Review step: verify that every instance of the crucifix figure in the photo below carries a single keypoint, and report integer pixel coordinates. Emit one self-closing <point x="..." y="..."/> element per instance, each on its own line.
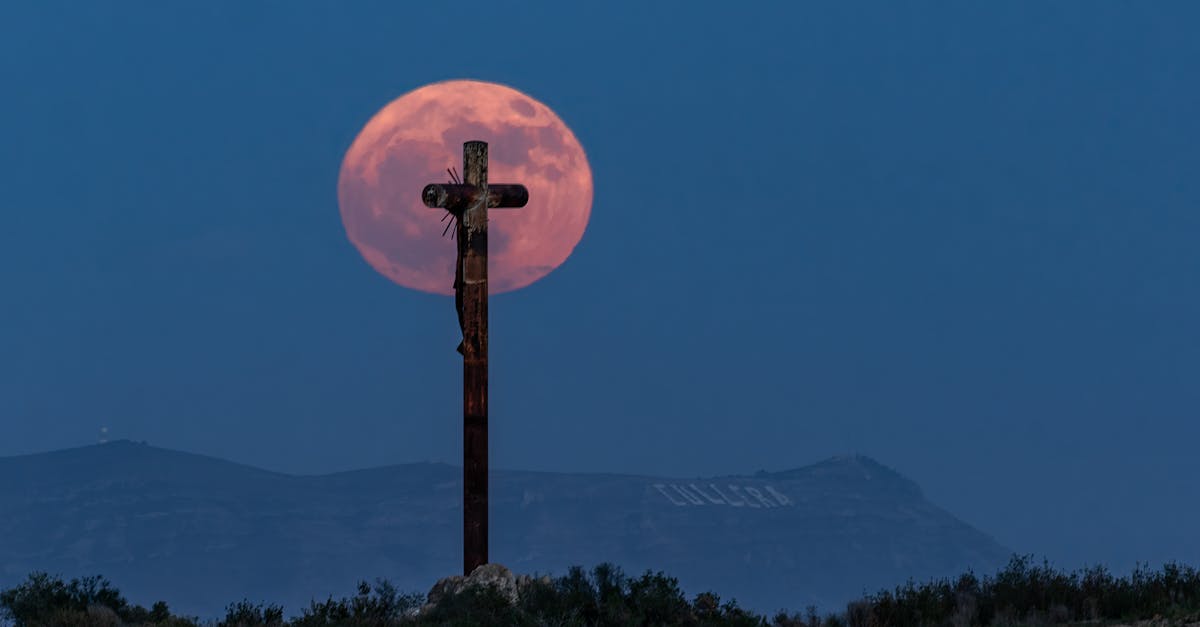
<point x="469" y="202"/>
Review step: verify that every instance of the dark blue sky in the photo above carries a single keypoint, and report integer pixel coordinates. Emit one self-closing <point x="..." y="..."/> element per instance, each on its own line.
<point x="960" y="238"/>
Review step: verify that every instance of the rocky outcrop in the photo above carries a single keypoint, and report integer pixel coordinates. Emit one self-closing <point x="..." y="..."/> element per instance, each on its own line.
<point x="494" y="576"/>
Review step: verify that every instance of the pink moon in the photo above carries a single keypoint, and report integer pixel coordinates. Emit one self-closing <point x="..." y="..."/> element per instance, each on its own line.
<point x="411" y="142"/>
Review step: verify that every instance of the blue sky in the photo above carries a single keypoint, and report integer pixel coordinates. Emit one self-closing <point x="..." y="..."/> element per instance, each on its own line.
<point x="957" y="237"/>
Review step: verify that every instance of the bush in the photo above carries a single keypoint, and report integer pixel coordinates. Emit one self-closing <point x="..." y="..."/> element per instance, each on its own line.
<point x="378" y="606"/>
<point x="247" y="614"/>
<point x="1025" y="593"/>
<point x="1022" y="593"/>
<point x="46" y="601"/>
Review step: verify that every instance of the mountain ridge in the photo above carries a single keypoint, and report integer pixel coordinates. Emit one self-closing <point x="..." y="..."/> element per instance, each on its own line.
<point x="200" y="531"/>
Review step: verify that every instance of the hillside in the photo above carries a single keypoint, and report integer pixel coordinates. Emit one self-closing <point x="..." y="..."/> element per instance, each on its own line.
<point x="203" y="532"/>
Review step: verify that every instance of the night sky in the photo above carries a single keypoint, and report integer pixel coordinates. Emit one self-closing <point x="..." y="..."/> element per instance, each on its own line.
<point x="960" y="238"/>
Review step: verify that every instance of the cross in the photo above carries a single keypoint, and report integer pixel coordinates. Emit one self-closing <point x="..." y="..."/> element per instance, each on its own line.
<point x="468" y="203"/>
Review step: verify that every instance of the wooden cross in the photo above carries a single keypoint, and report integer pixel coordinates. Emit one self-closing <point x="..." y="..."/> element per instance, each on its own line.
<point x="469" y="203"/>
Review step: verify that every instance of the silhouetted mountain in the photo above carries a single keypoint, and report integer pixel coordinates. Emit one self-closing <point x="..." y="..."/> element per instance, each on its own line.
<point x="200" y="532"/>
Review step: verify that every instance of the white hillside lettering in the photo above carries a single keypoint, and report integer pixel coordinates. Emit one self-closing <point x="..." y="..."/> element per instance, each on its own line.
<point x="731" y="495"/>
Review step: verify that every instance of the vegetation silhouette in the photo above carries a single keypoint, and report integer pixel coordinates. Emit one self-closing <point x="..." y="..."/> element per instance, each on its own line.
<point x="1022" y="593"/>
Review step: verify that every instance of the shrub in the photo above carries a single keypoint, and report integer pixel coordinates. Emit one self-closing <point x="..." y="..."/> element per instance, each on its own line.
<point x="247" y="614"/>
<point x="47" y="601"/>
<point x="380" y="605"/>
<point x="1029" y="594"/>
<point x="1022" y="593"/>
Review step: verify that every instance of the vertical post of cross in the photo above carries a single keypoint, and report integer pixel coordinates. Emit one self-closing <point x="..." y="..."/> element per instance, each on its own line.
<point x="473" y="257"/>
<point x="468" y="202"/>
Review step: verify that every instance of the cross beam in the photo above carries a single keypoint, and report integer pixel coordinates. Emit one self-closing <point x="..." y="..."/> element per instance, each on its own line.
<point x="466" y="202"/>
<point x="457" y="198"/>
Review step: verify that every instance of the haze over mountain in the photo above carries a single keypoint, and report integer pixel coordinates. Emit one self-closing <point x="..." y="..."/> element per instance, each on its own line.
<point x="200" y="532"/>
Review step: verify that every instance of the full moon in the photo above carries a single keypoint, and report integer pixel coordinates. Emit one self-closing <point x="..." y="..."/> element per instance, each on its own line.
<point x="415" y="138"/>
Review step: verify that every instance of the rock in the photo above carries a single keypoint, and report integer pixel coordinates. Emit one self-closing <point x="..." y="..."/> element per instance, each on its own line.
<point x="102" y="616"/>
<point x="444" y="587"/>
<point x="495" y="576"/>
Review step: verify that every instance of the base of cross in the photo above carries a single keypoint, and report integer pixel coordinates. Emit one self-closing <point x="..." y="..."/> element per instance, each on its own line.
<point x="495" y="576"/>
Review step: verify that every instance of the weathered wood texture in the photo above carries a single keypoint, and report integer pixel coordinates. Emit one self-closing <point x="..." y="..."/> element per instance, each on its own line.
<point x="473" y="297"/>
<point x="456" y="198"/>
